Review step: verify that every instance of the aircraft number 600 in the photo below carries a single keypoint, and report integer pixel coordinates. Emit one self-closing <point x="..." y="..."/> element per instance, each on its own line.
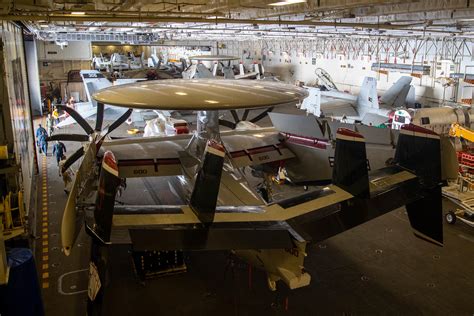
<point x="140" y="171"/>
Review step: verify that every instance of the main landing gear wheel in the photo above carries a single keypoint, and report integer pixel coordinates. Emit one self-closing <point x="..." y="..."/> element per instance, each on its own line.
<point x="450" y="217"/>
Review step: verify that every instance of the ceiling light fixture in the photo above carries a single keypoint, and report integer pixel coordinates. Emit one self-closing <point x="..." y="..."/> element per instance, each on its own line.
<point x="287" y="2"/>
<point x="78" y="13"/>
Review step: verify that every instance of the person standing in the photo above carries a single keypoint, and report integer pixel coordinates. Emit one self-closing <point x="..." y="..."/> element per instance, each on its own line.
<point x="58" y="150"/>
<point x="56" y="115"/>
<point x="39" y="131"/>
<point x="49" y="125"/>
<point x="43" y="143"/>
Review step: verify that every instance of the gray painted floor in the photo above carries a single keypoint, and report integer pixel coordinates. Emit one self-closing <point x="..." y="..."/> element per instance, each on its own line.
<point x="375" y="268"/>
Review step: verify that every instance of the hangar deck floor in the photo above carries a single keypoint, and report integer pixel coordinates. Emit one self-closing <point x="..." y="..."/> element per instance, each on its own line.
<point x="375" y="268"/>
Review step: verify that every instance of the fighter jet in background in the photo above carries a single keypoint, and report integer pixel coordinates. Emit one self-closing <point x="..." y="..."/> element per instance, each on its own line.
<point x="365" y="108"/>
<point x="222" y="68"/>
<point x="94" y="81"/>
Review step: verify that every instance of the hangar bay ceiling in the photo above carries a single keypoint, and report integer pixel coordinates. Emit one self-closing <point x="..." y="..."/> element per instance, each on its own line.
<point x="149" y="21"/>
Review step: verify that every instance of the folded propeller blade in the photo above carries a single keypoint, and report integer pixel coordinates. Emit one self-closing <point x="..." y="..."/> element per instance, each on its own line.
<point x="79" y="119"/>
<point x="73" y="158"/>
<point x="227" y="123"/>
<point x="69" y="137"/>
<point x="120" y="120"/>
<point x="100" y="117"/>
<point x="261" y="115"/>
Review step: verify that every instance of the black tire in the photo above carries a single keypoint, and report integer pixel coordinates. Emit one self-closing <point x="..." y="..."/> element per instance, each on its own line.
<point x="450" y="217"/>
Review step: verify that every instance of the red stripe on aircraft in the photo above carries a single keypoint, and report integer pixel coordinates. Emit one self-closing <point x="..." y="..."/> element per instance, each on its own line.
<point x="348" y="132"/>
<point x="306" y="141"/>
<point x="418" y="129"/>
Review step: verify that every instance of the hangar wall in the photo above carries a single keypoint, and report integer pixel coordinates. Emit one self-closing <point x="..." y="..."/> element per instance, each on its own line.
<point x="55" y="62"/>
<point x="16" y="108"/>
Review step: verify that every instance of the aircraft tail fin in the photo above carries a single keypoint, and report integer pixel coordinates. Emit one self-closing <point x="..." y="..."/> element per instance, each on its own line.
<point x="203" y="72"/>
<point x="367" y="97"/>
<point x="93" y="81"/>
<point x="415" y="144"/>
<point x="350" y="170"/>
<point x="228" y="73"/>
<point x="411" y="97"/>
<point x="396" y="96"/>
<point x="206" y="187"/>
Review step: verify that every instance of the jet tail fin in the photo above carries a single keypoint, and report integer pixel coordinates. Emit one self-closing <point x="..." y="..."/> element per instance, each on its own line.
<point x="203" y="72"/>
<point x="206" y="187"/>
<point x="228" y="73"/>
<point x="367" y="97"/>
<point x="93" y="81"/>
<point x="350" y="163"/>
<point x="418" y="150"/>
<point x="396" y="96"/>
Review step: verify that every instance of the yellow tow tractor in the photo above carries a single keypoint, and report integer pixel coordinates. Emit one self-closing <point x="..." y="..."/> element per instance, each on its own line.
<point x="461" y="192"/>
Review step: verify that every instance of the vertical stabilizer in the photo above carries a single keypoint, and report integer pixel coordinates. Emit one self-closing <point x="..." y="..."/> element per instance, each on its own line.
<point x="396" y="96"/>
<point x="350" y="163"/>
<point x="203" y="72"/>
<point x="93" y="81"/>
<point x="367" y="97"/>
<point x="418" y="150"/>
<point x="206" y="187"/>
<point x="228" y="73"/>
<point x="411" y="97"/>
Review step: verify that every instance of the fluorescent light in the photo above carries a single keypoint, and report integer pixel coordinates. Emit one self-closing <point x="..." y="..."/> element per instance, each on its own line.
<point x="287" y="2"/>
<point x="77" y="13"/>
<point x="181" y="93"/>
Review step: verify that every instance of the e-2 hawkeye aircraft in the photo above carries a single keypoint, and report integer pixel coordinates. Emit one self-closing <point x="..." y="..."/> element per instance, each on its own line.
<point x="221" y="209"/>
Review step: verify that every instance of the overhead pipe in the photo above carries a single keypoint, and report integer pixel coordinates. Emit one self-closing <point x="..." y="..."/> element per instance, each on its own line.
<point x="95" y="12"/>
<point x="149" y="18"/>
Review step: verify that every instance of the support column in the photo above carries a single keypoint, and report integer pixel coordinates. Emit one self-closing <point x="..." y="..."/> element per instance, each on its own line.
<point x="31" y="57"/>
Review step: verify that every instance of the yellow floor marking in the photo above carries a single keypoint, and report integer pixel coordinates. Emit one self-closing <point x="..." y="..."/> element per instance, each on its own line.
<point x="45" y="242"/>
